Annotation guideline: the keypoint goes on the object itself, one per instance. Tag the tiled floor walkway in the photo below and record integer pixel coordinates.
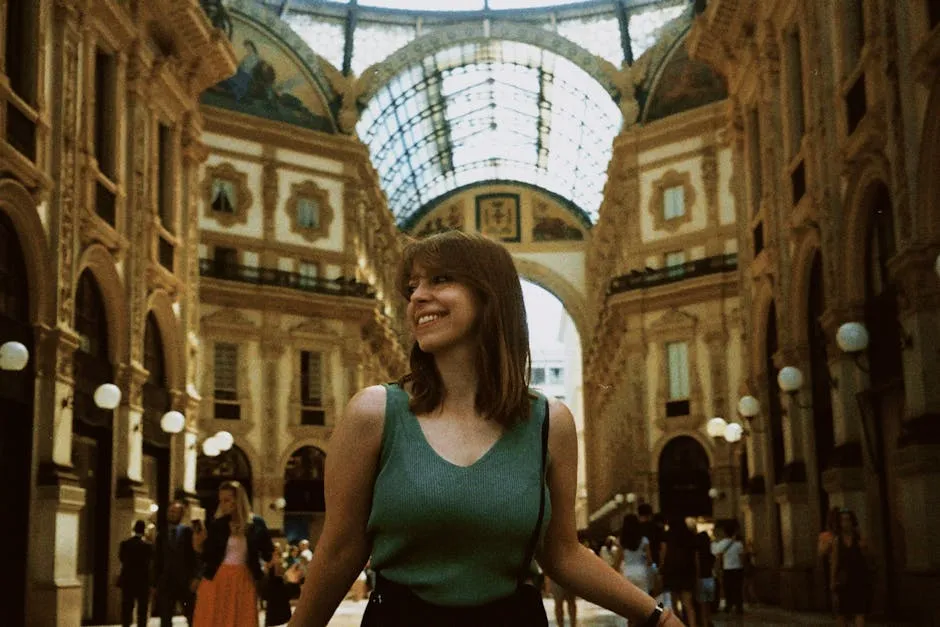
(349, 614)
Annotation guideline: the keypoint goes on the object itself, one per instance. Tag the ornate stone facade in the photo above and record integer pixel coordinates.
(832, 118)
(80, 188)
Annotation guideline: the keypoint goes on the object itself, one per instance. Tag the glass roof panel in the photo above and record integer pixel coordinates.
(486, 111)
(528, 4)
(323, 34)
(425, 5)
(374, 41)
(599, 34)
(645, 26)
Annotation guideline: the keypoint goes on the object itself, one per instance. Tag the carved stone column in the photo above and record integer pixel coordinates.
(917, 458)
(272, 359)
(54, 597)
(131, 499)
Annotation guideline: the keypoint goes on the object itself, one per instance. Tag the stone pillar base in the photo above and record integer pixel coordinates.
(918, 468)
(917, 596)
(799, 538)
(797, 588)
(54, 597)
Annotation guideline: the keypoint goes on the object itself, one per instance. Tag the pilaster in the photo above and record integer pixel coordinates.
(799, 545)
(54, 598)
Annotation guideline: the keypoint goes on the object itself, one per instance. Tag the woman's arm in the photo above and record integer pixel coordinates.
(564, 560)
(344, 547)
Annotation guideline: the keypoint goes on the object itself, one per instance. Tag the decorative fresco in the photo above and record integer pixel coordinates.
(550, 225)
(684, 84)
(498, 216)
(450, 219)
(270, 81)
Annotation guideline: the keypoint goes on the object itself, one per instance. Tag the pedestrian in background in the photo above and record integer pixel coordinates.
(134, 580)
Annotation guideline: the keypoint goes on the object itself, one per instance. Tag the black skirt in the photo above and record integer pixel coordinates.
(395, 605)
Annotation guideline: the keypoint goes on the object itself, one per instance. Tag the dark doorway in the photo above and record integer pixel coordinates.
(882, 405)
(211, 472)
(92, 443)
(775, 417)
(823, 429)
(684, 478)
(156, 402)
(303, 492)
(16, 426)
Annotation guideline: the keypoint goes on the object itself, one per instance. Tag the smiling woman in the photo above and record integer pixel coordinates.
(455, 477)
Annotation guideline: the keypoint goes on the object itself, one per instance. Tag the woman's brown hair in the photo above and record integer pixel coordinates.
(502, 359)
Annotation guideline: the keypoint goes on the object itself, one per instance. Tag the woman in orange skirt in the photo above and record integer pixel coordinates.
(233, 547)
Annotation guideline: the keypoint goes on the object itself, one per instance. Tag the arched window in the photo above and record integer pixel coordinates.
(156, 396)
(823, 427)
(14, 290)
(303, 491)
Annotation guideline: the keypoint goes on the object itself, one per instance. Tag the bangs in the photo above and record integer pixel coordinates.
(429, 254)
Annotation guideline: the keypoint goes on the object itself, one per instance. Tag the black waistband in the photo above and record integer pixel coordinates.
(400, 595)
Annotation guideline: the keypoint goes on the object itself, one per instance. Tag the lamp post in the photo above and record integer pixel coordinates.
(732, 433)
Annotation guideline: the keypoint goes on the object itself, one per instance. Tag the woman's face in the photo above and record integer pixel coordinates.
(441, 312)
(227, 502)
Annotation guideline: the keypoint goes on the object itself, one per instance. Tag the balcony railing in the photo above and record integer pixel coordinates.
(281, 278)
(651, 278)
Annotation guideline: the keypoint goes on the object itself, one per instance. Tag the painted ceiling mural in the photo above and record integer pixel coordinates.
(271, 81)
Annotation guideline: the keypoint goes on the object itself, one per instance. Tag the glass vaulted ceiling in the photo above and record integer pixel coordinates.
(490, 111)
(486, 111)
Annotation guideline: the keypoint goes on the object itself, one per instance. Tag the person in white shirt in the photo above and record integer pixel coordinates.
(730, 550)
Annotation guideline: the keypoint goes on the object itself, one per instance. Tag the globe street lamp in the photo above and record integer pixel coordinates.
(13, 356)
(852, 337)
(748, 406)
(210, 447)
(172, 422)
(225, 440)
(107, 396)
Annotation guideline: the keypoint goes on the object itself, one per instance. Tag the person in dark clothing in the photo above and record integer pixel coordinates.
(176, 567)
(650, 529)
(134, 581)
(850, 585)
(678, 568)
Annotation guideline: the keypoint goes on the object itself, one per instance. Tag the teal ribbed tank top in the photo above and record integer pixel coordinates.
(456, 536)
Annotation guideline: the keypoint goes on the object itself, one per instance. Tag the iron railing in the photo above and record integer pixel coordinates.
(281, 278)
(638, 280)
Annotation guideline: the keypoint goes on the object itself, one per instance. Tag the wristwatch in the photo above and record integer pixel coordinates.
(655, 617)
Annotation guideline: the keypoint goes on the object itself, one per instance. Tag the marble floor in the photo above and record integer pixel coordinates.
(349, 614)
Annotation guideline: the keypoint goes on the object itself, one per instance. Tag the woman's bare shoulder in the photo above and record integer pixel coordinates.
(367, 407)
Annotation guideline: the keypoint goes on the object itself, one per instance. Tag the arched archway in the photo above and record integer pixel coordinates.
(882, 404)
(211, 472)
(16, 421)
(823, 423)
(774, 417)
(684, 478)
(303, 493)
(156, 402)
(543, 276)
(438, 39)
(92, 444)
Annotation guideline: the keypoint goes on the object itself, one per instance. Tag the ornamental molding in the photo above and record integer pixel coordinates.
(311, 191)
(671, 178)
(243, 198)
